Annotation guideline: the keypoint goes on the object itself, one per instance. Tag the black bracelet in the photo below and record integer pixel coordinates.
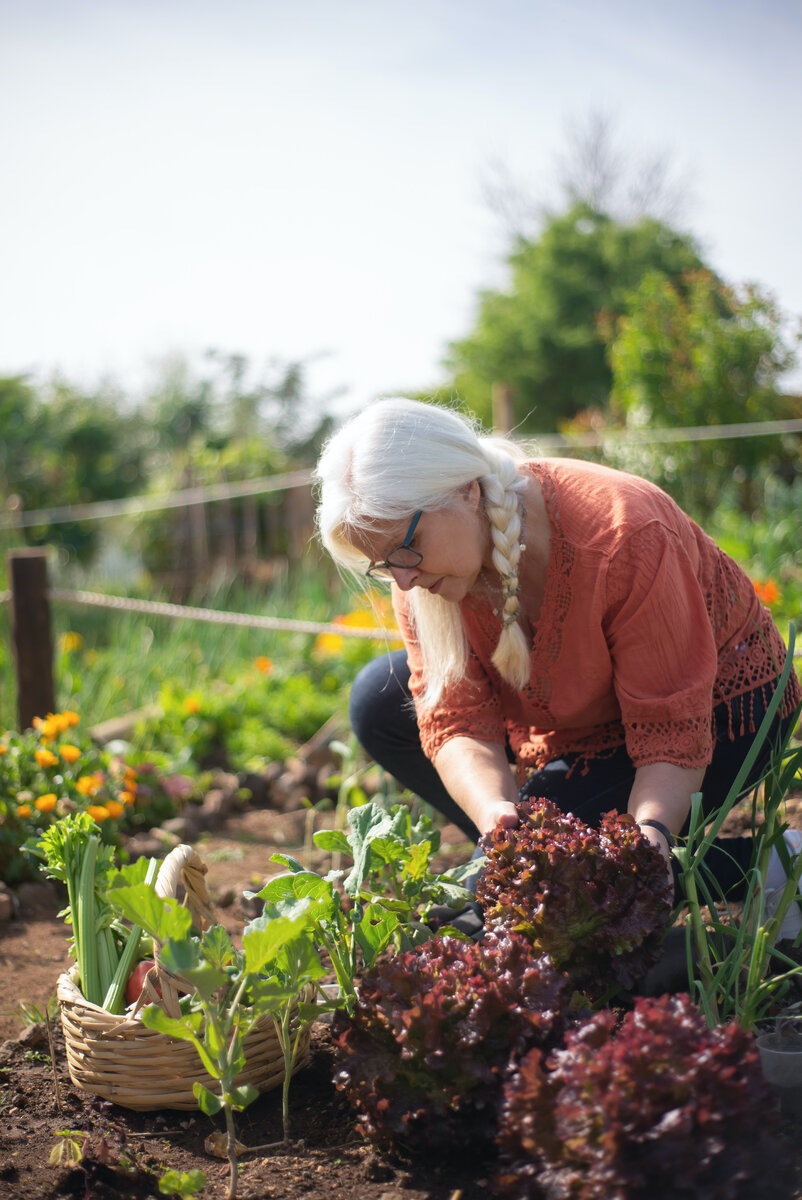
(661, 828)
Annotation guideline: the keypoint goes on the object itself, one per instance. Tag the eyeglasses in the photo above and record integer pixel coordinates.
(402, 557)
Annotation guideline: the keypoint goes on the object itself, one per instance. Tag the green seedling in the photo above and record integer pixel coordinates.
(69, 1148)
(184, 1184)
(232, 991)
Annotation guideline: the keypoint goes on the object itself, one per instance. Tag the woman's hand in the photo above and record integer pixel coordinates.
(496, 812)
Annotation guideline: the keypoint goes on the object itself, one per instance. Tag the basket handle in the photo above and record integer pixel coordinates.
(183, 865)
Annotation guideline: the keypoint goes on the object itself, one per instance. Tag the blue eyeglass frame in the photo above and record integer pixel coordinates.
(388, 564)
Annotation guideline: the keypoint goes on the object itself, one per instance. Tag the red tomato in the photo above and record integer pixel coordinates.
(136, 980)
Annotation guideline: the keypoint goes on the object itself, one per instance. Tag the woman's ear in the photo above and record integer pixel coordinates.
(472, 493)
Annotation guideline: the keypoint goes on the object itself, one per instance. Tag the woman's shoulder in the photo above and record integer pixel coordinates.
(593, 504)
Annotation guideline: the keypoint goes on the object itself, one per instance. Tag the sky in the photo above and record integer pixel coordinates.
(306, 179)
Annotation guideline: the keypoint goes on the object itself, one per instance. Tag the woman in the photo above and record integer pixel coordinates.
(557, 614)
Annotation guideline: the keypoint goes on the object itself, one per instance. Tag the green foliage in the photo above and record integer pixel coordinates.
(694, 352)
(734, 977)
(50, 771)
(184, 1184)
(541, 334)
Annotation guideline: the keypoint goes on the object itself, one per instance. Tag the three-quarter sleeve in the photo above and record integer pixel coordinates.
(662, 647)
(470, 707)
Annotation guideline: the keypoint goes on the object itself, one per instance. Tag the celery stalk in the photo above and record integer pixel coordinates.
(84, 926)
(114, 996)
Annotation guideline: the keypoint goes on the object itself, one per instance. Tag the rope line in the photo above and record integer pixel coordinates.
(133, 506)
(215, 616)
(136, 505)
(639, 437)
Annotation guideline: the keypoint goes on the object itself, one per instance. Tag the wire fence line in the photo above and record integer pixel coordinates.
(215, 616)
(135, 506)
(188, 497)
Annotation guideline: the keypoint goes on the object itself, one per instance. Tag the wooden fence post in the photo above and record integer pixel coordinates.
(503, 406)
(31, 634)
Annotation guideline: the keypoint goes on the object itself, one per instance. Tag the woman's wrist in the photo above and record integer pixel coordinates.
(651, 823)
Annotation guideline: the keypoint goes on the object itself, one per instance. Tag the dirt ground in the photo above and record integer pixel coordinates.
(330, 1161)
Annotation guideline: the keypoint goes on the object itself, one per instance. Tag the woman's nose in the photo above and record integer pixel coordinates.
(405, 577)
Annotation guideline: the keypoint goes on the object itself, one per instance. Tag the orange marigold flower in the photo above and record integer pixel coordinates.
(24, 810)
(114, 808)
(127, 797)
(69, 718)
(263, 664)
(191, 705)
(69, 753)
(3, 750)
(87, 785)
(45, 758)
(98, 812)
(47, 802)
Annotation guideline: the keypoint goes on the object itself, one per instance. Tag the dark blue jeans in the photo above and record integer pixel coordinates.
(383, 719)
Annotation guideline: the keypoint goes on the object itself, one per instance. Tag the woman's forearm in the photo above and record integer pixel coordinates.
(478, 776)
(662, 792)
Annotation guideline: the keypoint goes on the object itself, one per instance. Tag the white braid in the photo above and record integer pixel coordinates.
(502, 492)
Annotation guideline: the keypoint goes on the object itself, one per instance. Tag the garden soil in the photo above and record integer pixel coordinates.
(325, 1160)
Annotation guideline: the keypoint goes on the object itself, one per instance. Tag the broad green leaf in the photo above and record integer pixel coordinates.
(243, 1095)
(214, 1041)
(465, 870)
(417, 865)
(368, 822)
(161, 918)
(269, 995)
(288, 861)
(332, 840)
(375, 930)
(184, 958)
(207, 1101)
(295, 886)
(216, 947)
(186, 1028)
(264, 937)
(389, 849)
(299, 960)
(182, 1183)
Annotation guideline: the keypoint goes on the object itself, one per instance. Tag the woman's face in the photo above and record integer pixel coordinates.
(455, 543)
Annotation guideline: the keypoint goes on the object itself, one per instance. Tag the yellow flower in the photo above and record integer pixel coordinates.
(47, 802)
(45, 758)
(114, 808)
(263, 664)
(98, 812)
(24, 810)
(3, 750)
(127, 797)
(191, 705)
(69, 718)
(71, 641)
(87, 785)
(329, 643)
(69, 753)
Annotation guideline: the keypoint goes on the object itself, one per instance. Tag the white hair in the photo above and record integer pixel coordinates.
(398, 456)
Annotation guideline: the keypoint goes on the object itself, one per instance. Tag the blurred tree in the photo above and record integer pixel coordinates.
(62, 447)
(541, 335)
(702, 353)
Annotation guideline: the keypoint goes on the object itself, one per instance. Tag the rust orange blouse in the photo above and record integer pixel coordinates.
(645, 626)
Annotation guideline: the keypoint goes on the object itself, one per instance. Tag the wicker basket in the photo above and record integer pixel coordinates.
(119, 1058)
